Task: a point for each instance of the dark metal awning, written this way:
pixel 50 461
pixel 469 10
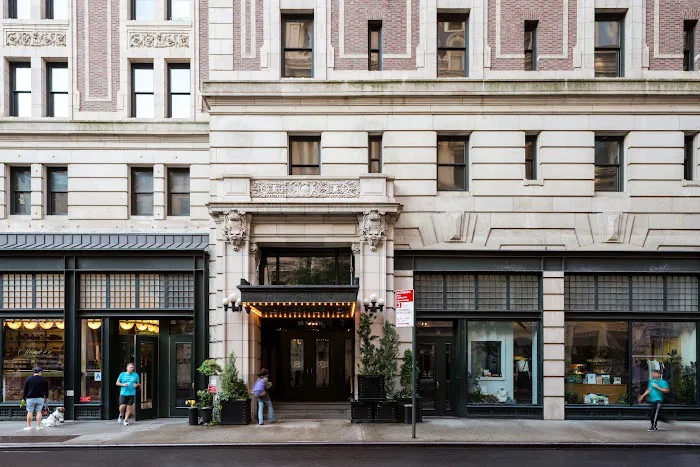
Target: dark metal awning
pixel 300 301
pixel 95 241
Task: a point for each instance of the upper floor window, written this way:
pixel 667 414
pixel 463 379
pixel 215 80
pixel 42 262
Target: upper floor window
pixel 178 191
pixel 141 191
pixel 323 266
pixel 305 155
pixel 143 10
pixel 19 9
pixel 57 9
pixel 20 191
pixel 531 157
pixel 179 101
pixel 142 102
pixel 57 103
pixel 689 159
pixel 452 163
pixel 452 46
pixel 530 45
pixel 608 163
pixel 375 45
pixel 21 89
pixel 608 46
pixel 57 187
pixel 375 154
pixel 297 54
pixel 179 9
pixel 689 45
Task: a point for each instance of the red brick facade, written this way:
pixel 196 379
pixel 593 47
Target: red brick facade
pixel 672 15
pixel 248 59
pixel 203 41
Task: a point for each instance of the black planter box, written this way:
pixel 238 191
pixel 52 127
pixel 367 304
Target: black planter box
pixel 385 412
pixel 193 414
pixel 205 415
pixel 405 410
pixel 235 412
pixel 362 412
pixel 370 387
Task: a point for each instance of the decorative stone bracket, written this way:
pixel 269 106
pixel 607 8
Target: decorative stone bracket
pixel 373 228
pixel 235 228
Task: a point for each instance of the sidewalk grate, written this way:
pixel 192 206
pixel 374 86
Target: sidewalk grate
pixel 35 439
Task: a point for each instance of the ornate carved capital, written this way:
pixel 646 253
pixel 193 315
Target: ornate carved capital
pixel 158 40
pixel 373 228
pixel 35 39
pixel 305 189
pixel 355 247
pixel 235 228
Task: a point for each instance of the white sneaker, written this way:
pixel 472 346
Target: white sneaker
pixel 120 419
pixel 39 428
pixel 27 428
pixel 126 423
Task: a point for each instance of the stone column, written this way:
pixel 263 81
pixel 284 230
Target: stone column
pixel 37 195
pixel 553 324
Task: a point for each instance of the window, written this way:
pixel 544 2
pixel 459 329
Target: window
pixel 179 192
pixel 451 163
pixel 297 56
pixel 530 45
pixel 179 9
pixel 375 45
pixel 57 9
pixel 689 160
pixel 305 155
pixel 375 154
pixel 21 86
pixel 57 104
pixel 143 10
pixel 689 45
pixel 531 157
pixel 141 191
pixel 608 46
pixel 179 90
pixel 19 9
pixel 21 190
pixel 90 360
pixel 142 103
pixel 328 266
pixel 452 46
pixel 57 187
pixel 608 163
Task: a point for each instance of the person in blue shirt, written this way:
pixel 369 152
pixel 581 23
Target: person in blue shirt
pixel 128 381
pixel 656 390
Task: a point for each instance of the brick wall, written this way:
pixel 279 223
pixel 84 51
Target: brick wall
pixel 550 17
pixel 98 72
pixel 203 41
pixel 672 14
pixel 395 25
pixel 248 59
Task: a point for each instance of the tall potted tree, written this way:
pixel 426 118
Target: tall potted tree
pixel 387 355
pixel 234 396
pixel 205 399
pixel 404 397
pixel 370 384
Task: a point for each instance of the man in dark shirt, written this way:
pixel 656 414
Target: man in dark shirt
pixel 35 392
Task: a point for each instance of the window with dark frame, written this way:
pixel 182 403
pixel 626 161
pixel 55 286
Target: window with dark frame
pixel 179 10
pixel 531 157
pixel 375 154
pixel 20 191
pixel 689 45
pixel 608 46
pixel 304 155
pixel 57 9
pixel 142 93
pixel 143 10
pixel 689 159
pixel 609 163
pixel 179 191
pixel 452 46
pixel 375 45
pixel 57 104
pixel 19 9
pixel 530 45
pixel 179 90
pixel 21 88
pixel 297 50
pixel 57 188
pixel 452 163
pixel 141 191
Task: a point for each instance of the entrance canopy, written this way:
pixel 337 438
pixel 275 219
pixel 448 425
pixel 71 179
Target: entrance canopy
pixel 300 301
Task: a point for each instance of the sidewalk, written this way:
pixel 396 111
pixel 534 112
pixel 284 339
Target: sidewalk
pixel 474 432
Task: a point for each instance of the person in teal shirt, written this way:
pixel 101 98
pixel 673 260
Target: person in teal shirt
pixel 656 391
pixel 128 381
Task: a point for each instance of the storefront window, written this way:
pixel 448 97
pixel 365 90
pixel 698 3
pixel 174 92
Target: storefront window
pixel 91 360
pixel 503 358
pixel 597 362
pixel 28 344
pixel 142 327
pixel 669 347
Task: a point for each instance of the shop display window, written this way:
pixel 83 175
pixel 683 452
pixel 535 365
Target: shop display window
pixel 28 344
pixel 91 360
pixel 503 358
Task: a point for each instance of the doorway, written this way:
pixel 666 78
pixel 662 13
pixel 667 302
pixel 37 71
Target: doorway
pixel 143 352
pixel 435 349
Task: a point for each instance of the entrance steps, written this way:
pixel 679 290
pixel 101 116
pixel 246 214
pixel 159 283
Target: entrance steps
pixel 312 410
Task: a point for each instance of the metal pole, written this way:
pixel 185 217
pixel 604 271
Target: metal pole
pixel 413 385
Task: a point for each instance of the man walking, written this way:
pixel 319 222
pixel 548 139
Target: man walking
pixel 656 390
pixel 260 391
pixel 36 390
pixel 128 381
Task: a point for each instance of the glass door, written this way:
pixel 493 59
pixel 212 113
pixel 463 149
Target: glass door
pixel 181 373
pixel 146 360
pixel 435 368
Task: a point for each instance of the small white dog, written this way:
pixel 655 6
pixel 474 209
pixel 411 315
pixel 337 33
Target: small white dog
pixel 54 419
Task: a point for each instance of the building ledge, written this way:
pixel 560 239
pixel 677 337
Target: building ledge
pixel 48 126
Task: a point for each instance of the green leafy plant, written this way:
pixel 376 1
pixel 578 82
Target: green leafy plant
pixel 368 350
pixel 204 398
pixel 209 367
pixel 406 376
pixel 387 355
pixel 233 388
pixel 685 392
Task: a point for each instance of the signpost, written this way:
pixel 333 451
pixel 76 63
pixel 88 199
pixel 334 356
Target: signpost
pixel 405 318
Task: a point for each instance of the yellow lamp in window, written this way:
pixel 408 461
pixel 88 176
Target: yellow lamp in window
pixel 59 324
pixel 30 325
pixel 126 325
pixel 46 324
pixel 150 328
pixel 94 324
pixel 13 324
pixel 156 329
pixel 141 326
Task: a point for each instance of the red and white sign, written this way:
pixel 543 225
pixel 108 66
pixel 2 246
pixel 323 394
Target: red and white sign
pixel 404 309
pixel 212 389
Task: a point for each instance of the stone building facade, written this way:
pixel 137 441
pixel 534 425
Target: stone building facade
pixel 530 169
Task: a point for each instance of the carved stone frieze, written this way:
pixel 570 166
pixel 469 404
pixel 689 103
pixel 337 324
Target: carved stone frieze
pixel 158 40
pixel 305 189
pixel 373 228
pixel 35 39
pixel 235 228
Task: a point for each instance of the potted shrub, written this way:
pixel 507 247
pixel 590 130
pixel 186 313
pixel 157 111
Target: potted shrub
pixel 404 397
pixel 234 396
pixel 205 399
pixel 386 356
pixel 370 384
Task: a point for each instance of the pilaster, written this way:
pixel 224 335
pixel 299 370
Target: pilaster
pixel 553 339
